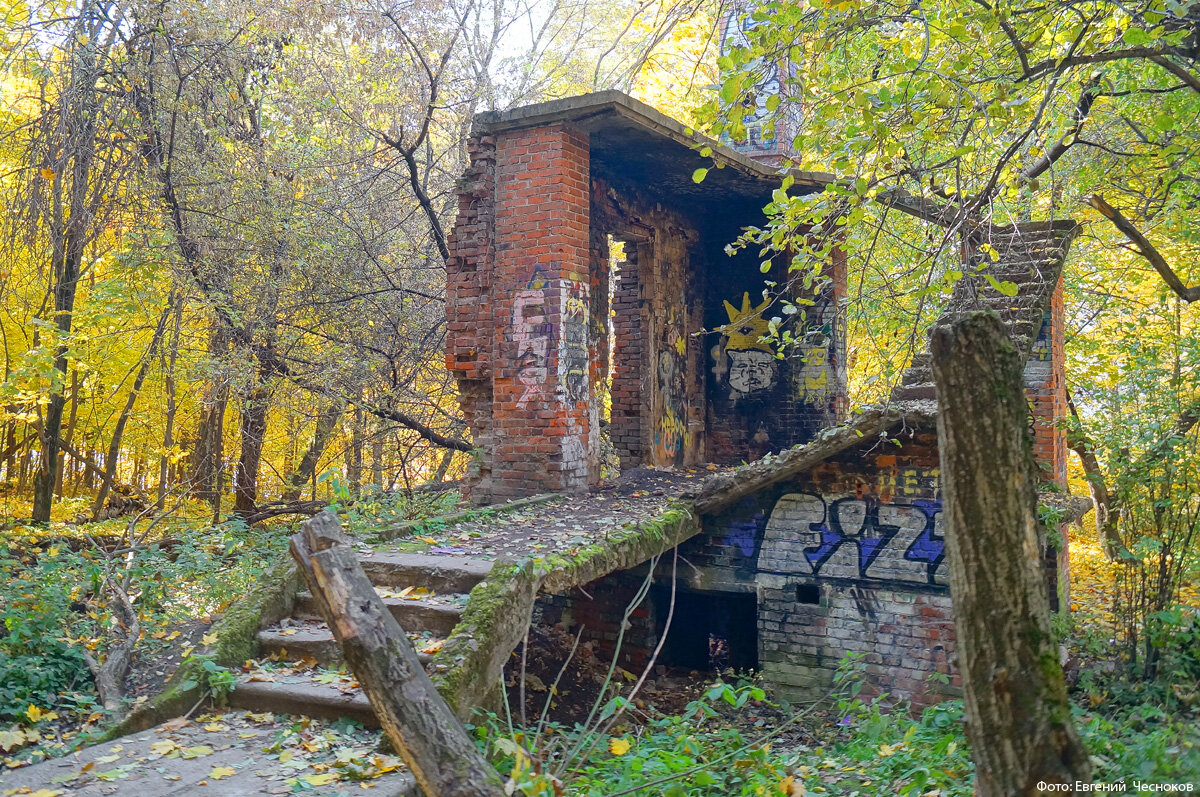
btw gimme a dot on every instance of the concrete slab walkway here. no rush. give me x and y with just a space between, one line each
230 754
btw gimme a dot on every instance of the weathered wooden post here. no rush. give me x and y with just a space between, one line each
420 725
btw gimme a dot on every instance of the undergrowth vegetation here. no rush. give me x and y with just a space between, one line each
864 746
54 604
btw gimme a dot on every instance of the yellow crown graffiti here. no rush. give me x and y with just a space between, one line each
746 326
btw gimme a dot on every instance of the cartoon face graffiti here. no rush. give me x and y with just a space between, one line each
751 359
815 383
751 370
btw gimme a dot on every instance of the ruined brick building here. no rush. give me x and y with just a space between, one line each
592 307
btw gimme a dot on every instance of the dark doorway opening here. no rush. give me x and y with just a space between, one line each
710 631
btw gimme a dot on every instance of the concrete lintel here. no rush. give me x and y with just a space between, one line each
579 109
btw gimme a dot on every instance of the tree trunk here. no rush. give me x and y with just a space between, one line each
164 460
354 456
443 466
327 421
419 724
377 454
1018 716
254 432
67 261
209 451
69 436
114 447
10 450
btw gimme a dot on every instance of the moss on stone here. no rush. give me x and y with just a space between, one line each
499 607
491 625
268 601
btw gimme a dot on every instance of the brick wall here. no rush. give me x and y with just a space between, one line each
759 402
596 610
627 430
845 558
468 297
1046 389
659 376
521 338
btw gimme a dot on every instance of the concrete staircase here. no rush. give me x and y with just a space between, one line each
425 593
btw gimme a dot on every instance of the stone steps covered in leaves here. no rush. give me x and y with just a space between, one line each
437 614
426 593
313 641
307 696
225 754
464 601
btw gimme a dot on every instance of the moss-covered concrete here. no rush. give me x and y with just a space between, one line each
492 624
269 601
442 521
498 609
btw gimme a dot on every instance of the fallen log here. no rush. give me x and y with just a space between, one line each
420 725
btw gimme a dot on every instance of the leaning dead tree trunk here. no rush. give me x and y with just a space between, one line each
1018 717
416 719
110 673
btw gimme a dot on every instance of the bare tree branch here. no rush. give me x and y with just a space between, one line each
1145 249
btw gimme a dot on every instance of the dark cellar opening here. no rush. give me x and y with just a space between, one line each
710 631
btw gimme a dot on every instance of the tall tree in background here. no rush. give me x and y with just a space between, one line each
289 172
963 111
74 167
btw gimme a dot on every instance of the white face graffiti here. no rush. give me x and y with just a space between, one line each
751 370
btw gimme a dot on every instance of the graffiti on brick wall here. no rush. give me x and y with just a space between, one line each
574 452
759 113
533 335
743 361
742 534
1041 346
815 379
670 437
573 346
855 537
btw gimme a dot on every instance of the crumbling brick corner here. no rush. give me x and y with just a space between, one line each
517 307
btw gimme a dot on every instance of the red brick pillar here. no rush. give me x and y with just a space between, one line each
540 307
1046 389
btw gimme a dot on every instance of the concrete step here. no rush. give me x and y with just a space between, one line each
305 642
914 392
312 640
441 574
435 616
303 697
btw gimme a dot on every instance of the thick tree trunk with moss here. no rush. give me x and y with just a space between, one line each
419 724
1018 716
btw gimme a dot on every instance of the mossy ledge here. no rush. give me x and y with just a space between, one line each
268 601
498 610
